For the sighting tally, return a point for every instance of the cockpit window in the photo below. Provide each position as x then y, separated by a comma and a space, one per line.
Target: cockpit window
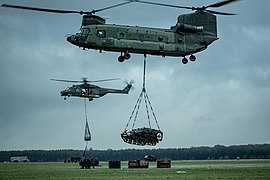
85, 31
70, 88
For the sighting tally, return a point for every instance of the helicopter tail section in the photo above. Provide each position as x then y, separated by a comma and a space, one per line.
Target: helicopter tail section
119, 91
127, 88
201, 21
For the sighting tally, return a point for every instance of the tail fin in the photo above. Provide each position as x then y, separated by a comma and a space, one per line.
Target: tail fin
127, 88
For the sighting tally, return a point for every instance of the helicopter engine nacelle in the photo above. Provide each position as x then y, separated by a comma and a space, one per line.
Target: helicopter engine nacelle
187, 28
201, 21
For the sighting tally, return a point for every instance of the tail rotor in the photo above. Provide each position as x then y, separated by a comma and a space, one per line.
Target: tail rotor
130, 84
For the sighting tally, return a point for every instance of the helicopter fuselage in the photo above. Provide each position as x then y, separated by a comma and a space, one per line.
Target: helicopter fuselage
185, 38
192, 33
91, 91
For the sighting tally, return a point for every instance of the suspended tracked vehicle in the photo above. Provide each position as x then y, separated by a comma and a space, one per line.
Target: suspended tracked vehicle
142, 136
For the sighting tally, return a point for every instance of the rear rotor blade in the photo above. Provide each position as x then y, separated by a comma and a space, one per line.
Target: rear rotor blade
192, 8
221, 3
220, 13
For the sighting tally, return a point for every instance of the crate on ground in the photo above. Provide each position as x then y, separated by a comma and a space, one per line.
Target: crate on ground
164, 163
114, 164
138, 164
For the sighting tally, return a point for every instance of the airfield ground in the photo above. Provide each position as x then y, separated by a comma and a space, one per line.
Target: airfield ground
217, 169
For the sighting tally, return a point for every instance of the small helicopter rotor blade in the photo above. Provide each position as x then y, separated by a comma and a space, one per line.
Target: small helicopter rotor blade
104, 80
222, 3
161, 4
62, 80
84, 80
220, 13
130, 82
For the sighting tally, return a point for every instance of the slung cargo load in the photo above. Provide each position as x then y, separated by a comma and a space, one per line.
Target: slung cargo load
87, 134
145, 135
142, 136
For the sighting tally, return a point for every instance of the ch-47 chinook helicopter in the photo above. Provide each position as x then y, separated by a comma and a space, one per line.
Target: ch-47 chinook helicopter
192, 33
90, 91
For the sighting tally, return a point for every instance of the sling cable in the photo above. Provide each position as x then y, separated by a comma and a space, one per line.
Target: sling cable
145, 135
87, 134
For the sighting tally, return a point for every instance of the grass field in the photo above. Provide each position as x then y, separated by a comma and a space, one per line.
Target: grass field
219, 169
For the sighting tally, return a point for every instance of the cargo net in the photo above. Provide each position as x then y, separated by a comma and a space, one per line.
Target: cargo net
87, 134
145, 135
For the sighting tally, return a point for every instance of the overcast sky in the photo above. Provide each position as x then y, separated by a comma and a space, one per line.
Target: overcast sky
221, 98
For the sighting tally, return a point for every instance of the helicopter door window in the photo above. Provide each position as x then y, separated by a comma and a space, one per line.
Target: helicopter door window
121, 35
141, 37
160, 38
101, 33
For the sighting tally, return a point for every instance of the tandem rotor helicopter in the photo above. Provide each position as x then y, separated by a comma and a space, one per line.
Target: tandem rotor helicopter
90, 91
192, 33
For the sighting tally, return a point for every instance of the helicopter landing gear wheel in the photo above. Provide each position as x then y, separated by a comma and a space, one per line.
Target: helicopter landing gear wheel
184, 60
124, 57
127, 55
192, 58
121, 58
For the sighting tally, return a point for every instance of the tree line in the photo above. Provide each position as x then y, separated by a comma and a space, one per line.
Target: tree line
251, 151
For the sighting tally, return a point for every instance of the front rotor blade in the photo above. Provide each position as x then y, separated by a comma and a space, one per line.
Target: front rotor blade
221, 3
43, 9
113, 6
160, 4
62, 11
220, 13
